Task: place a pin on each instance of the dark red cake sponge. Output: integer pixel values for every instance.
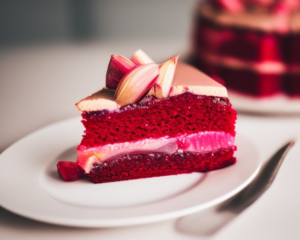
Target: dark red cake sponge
(137, 166)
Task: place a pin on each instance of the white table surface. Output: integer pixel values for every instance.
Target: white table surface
(40, 85)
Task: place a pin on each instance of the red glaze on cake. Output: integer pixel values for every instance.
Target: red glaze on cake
(174, 121)
(253, 45)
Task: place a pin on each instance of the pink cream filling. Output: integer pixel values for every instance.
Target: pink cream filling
(197, 142)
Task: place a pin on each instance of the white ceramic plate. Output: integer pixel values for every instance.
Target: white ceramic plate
(30, 186)
(278, 104)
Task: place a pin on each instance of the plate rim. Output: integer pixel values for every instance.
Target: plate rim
(113, 222)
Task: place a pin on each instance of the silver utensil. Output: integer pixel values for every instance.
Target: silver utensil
(209, 221)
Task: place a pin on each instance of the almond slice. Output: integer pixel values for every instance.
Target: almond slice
(166, 74)
(118, 66)
(136, 83)
(140, 57)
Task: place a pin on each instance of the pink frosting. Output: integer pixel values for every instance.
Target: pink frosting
(205, 141)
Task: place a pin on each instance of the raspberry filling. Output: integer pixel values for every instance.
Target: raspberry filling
(186, 113)
(198, 142)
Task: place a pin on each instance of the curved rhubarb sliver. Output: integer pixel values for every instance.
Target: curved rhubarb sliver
(140, 57)
(165, 79)
(136, 83)
(118, 66)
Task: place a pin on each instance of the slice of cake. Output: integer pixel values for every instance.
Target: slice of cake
(160, 120)
(253, 45)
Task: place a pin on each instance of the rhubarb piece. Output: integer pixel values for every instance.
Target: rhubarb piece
(165, 79)
(136, 83)
(118, 66)
(69, 171)
(140, 57)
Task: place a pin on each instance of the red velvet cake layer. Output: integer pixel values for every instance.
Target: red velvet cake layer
(152, 165)
(244, 44)
(152, 118)
(254, 83)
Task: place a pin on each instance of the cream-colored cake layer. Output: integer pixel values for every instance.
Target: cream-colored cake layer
(259, 20)
(186, 79)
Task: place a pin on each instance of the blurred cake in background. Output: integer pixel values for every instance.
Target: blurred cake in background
(251, 45)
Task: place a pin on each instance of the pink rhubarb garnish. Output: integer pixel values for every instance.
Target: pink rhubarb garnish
(136, 83)
(117, 68)
(163, 84)
(69, 171)
(140, 57)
